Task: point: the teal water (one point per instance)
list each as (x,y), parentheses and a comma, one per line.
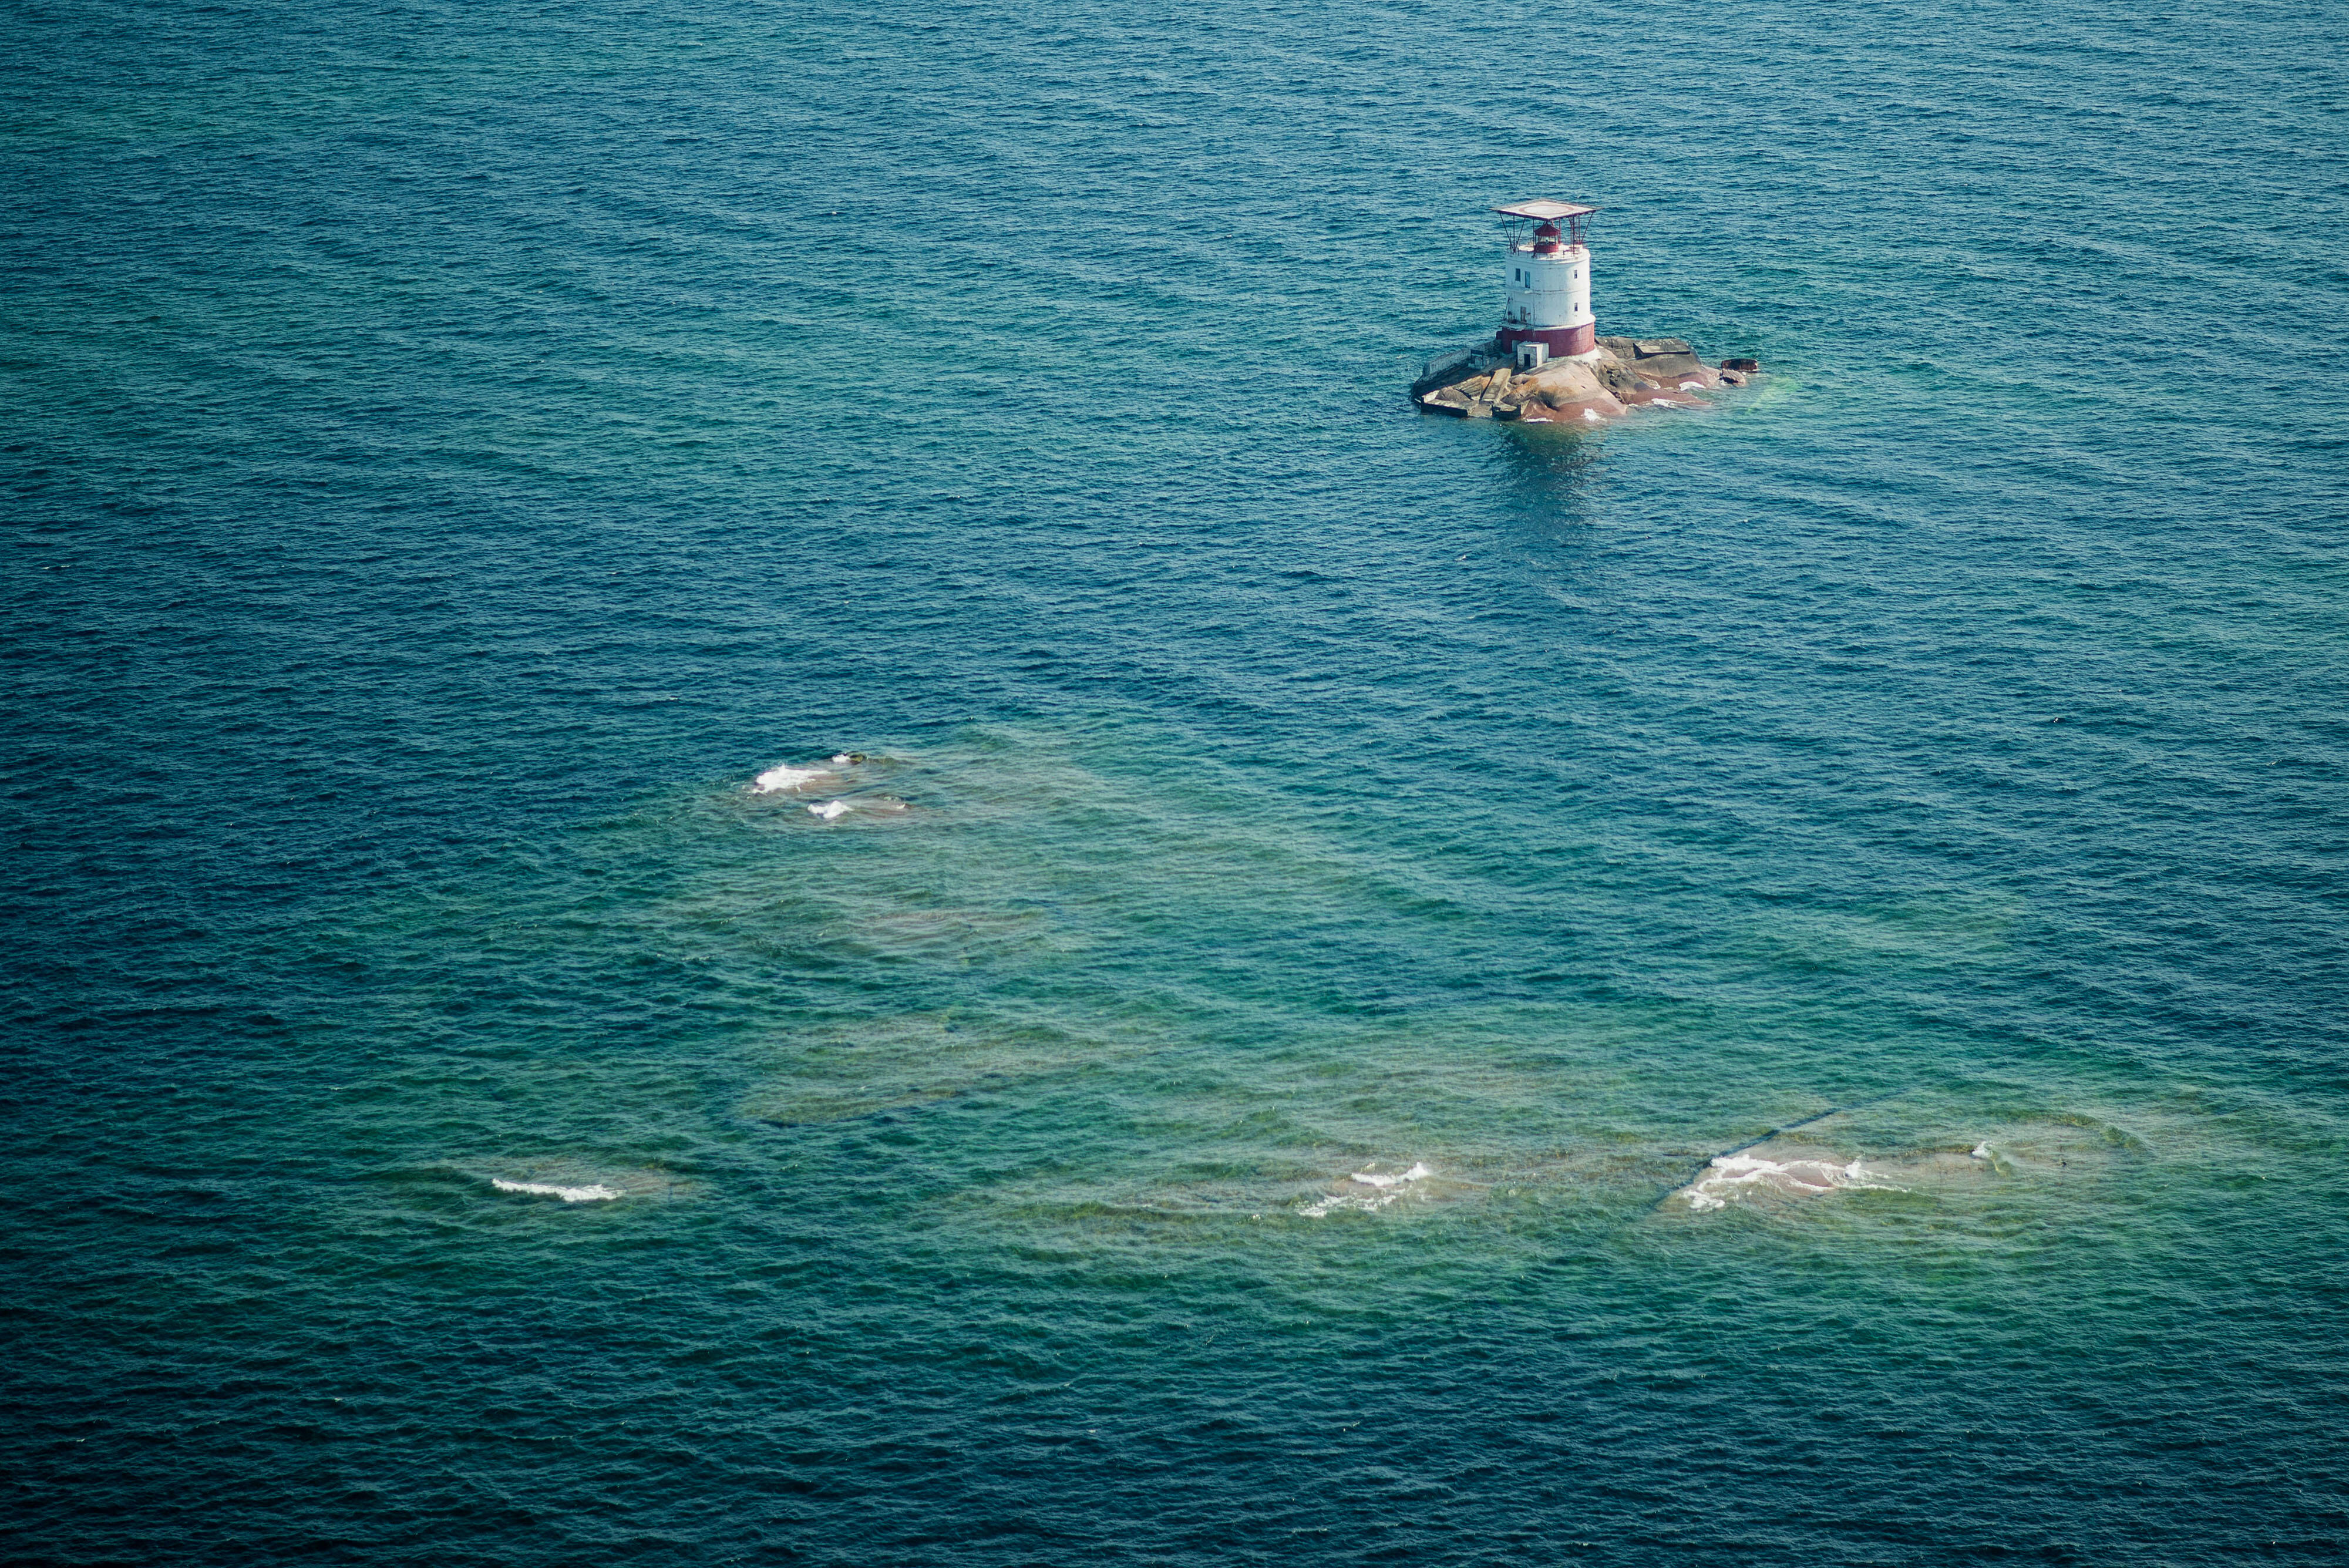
(454,1117)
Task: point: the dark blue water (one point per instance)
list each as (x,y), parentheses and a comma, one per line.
(454,1117)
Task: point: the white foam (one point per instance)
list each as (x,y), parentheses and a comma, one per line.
(1372,1178)
(1691,386)
(596,1194)
(1729,1176)
(1590,414)
(830,811)
(776,780)
(1981,1151)
(1384,1188)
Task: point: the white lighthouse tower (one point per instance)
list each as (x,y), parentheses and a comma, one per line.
(1549,284)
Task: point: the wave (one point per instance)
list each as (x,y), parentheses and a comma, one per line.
(778,779)
(834,810)
(1731,1176)
(1384,1188)
(597,1193)
(1996,1158)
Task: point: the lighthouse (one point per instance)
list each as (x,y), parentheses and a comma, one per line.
(1549,314)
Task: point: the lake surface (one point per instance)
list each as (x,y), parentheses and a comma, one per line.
(1241,1079)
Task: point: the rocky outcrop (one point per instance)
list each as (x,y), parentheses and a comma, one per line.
(1624,374)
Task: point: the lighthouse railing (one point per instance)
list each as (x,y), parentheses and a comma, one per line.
(1437,364)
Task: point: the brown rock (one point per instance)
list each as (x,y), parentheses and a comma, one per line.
(1561,377)
(1627,373)
(1677,392)
(1594,410)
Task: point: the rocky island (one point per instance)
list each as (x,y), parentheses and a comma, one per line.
(1616,376)
(1548,365)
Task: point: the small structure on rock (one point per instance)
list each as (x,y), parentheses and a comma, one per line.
(1548,365)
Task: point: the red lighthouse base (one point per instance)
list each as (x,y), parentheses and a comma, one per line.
(1562,340)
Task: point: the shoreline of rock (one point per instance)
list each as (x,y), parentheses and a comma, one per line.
(1482,382)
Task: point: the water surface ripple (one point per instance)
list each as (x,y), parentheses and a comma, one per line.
(1761,987)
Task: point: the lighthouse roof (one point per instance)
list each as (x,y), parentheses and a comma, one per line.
(1550,211)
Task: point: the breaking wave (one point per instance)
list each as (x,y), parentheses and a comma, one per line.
(834,810)
(1731,1176)
(778,779)
(1384,1188)
(598,1193)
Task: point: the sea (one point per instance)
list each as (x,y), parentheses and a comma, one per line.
(764,803)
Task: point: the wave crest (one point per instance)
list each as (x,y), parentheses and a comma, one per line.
(1384,1188)
(596,1193)
(1731,1176)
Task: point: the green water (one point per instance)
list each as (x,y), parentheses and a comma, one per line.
(1763,986)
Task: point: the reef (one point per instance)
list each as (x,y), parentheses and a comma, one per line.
(1624,374)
